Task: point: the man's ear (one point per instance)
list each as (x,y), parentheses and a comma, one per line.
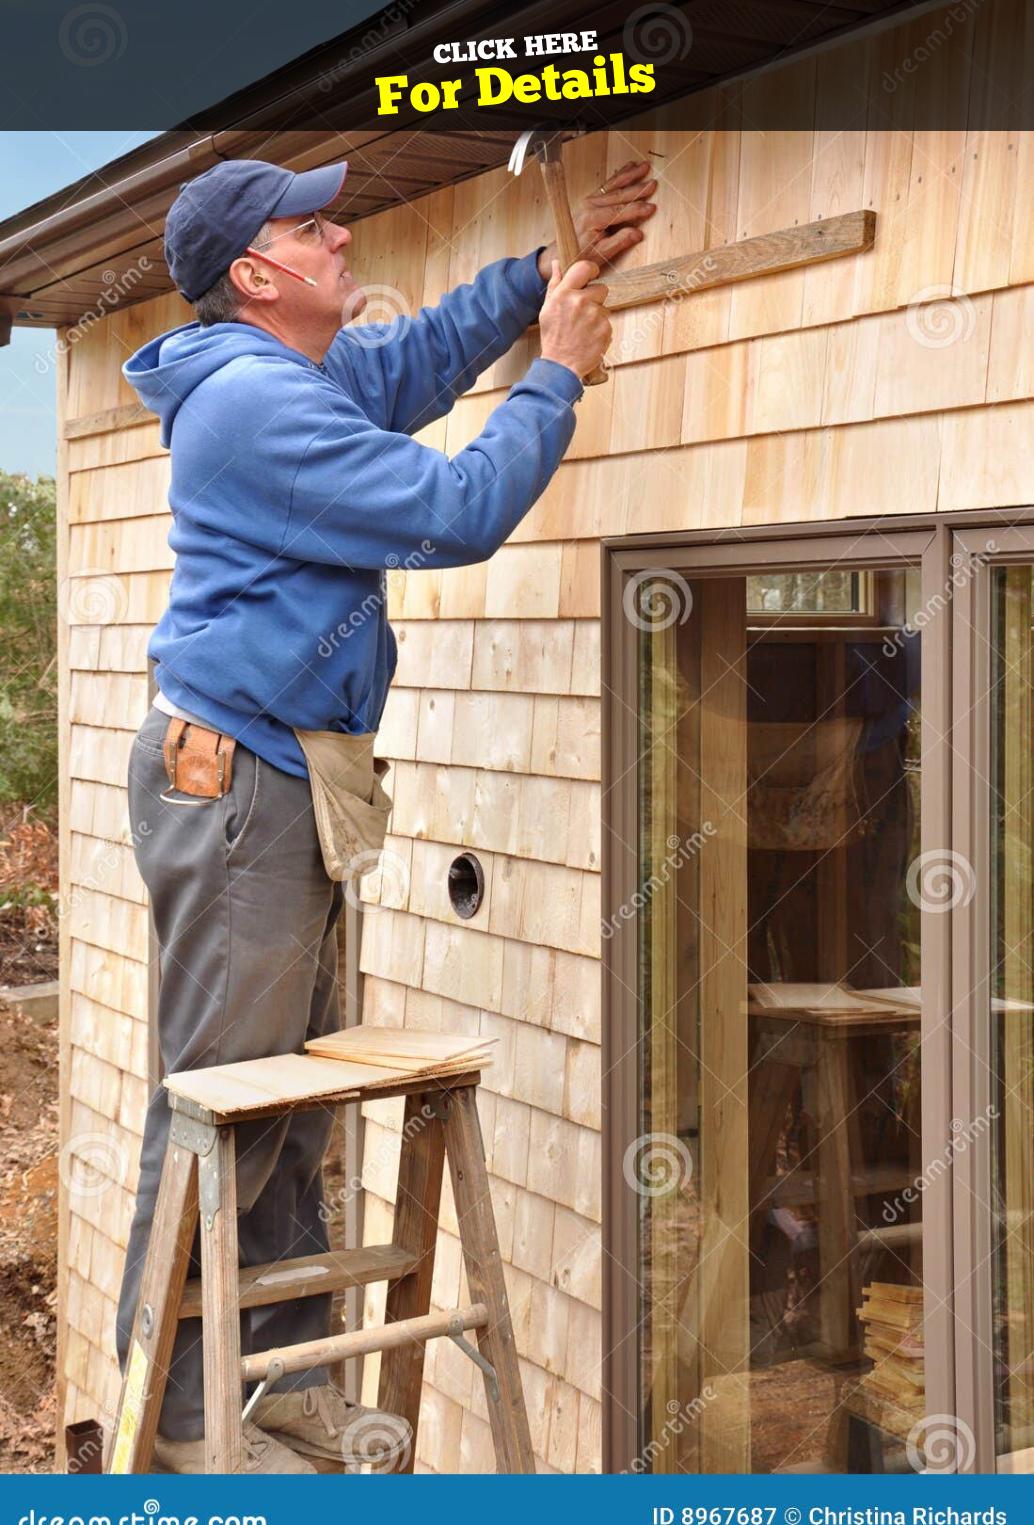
(251,280)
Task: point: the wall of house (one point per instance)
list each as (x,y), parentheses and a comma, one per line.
(851,388)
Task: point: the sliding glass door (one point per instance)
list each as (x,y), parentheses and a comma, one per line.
(994,991)
(778,1113)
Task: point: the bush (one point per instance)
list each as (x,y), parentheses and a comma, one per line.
(28,651)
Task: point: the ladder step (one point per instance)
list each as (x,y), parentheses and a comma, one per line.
(308,1275)
(361,1342)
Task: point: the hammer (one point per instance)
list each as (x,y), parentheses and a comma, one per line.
(548,146)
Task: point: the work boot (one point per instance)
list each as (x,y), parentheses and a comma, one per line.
(321,1421)
(262,1453)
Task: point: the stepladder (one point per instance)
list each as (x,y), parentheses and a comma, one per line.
(198,1185)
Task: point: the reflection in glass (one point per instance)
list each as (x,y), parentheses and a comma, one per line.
(836,592)
(781,1244)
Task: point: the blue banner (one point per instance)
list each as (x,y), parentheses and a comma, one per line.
(556,1500)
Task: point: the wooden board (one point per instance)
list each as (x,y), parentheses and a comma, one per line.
(285,1080)
(281,1078)
(308,1276)
(767,254)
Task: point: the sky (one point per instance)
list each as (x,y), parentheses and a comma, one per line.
(33,165)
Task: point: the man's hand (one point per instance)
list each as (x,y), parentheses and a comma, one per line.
(607,222)
(573,322)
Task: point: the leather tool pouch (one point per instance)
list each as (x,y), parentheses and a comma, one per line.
(349,802)
(197,760)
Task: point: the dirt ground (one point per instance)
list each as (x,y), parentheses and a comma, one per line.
(28,899)
(28,1240)
(28,1149)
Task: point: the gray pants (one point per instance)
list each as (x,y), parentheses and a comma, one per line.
(245,918)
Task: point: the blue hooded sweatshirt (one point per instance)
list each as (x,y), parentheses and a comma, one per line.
(295,486)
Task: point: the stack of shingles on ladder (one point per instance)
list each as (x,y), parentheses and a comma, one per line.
(356,1059)
(404,1050)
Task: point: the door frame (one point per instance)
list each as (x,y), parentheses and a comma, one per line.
(958,1366)
(978,549)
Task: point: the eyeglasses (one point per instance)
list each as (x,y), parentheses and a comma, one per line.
(317,221)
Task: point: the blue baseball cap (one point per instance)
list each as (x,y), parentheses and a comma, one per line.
(217,214)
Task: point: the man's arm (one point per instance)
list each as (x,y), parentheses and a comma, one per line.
(411,378)
(360,496)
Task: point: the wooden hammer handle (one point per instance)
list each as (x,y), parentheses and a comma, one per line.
(566,237)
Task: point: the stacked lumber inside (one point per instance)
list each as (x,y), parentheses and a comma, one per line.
(893,1393)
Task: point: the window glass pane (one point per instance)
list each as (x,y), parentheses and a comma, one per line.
(780,1128)
(1011,1113)
(836,592)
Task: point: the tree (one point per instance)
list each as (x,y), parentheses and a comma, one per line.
(28,650)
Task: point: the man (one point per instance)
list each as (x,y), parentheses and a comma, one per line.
(295,486)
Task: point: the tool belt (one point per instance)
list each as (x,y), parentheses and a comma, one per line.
(349,801)
(197,760)
(350,804)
